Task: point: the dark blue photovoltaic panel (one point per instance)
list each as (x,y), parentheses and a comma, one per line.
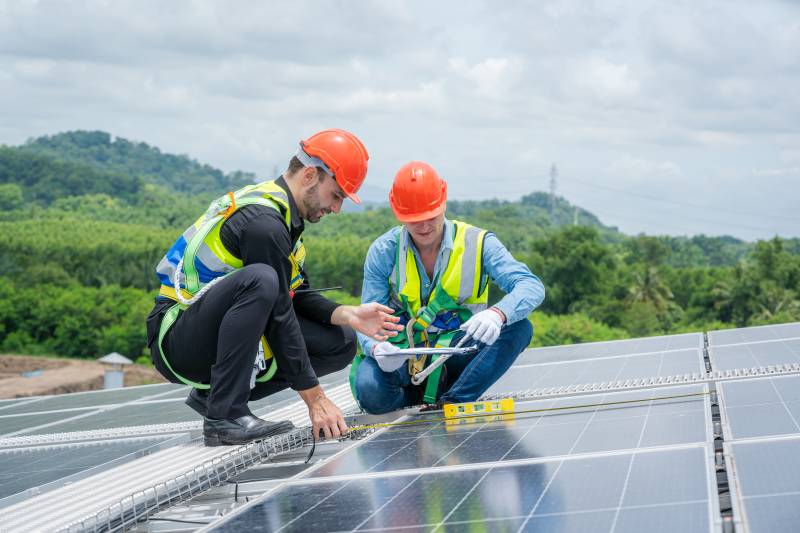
(594,493)
(538,434)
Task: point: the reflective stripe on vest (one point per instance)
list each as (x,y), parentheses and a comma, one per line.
(205,256)
(462,280)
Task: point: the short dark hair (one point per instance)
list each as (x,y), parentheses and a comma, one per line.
(295,165)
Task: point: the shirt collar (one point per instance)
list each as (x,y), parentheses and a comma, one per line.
(449,231)
(297,223)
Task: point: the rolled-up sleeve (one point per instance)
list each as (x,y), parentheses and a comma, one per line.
(378,268)
(524,290)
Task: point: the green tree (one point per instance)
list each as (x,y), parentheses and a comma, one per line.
(10,196)
(575,267)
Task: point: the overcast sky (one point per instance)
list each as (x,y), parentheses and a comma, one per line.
(662,117)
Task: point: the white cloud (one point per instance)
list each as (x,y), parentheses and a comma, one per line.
(672,100)
(637,169)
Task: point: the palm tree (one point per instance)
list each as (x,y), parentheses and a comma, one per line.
(648,287)
(773,300)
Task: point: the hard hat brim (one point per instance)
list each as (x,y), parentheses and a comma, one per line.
(353,197)
(419,217)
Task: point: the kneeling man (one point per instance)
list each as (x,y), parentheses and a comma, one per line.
(434,272)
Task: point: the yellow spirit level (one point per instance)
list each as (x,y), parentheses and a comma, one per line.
(455,410)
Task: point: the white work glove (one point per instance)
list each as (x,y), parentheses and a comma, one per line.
(387,363)
(484,326)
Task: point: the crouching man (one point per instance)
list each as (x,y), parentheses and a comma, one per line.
(434,272)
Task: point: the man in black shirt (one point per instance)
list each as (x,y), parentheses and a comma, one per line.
(242,323)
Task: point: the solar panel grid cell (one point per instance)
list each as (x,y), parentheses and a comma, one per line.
(755,354)
(761,407)
(607,492)
(537,376)
(767,488)
(24,468)
(754,334)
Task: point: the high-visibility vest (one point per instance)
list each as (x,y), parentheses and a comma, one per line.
(200,246)
(461,290)
(204,258)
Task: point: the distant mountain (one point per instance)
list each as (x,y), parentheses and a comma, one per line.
(67,168)
(97,149)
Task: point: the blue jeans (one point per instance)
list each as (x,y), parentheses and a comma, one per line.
(468,376)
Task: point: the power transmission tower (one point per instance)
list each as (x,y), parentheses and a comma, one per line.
(275,171)
(553,182)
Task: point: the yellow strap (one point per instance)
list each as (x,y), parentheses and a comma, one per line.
(169,292)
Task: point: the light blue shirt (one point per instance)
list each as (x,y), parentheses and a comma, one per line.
(524,291)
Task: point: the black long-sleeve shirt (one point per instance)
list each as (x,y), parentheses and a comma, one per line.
(258,234)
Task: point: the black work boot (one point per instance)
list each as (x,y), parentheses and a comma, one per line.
(241,430)
(198,400)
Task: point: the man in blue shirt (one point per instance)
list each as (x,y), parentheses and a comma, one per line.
(434,273)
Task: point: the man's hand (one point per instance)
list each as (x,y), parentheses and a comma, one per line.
(382,351)
(325,417)
(373,320)
(485,326)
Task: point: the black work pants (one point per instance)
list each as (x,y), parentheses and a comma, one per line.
(215,341)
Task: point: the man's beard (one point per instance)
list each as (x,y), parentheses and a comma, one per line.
(312,206)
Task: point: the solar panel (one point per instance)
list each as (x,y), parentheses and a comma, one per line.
(126,415)
(4,404)
(561,427)
(574,352)
(12,424)
(24,468)
(754,334)
(90,399)
(755,354)
(767,484)
(597,493)
(584,458)
(535,376)
(761,407)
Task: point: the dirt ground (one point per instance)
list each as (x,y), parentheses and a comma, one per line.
(61,376)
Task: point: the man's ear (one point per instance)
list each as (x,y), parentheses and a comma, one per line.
(309,176)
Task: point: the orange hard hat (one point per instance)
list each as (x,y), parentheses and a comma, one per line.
(341,154)
(418,193)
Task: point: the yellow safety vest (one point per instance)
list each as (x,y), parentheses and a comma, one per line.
(462,288)
(205,258)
